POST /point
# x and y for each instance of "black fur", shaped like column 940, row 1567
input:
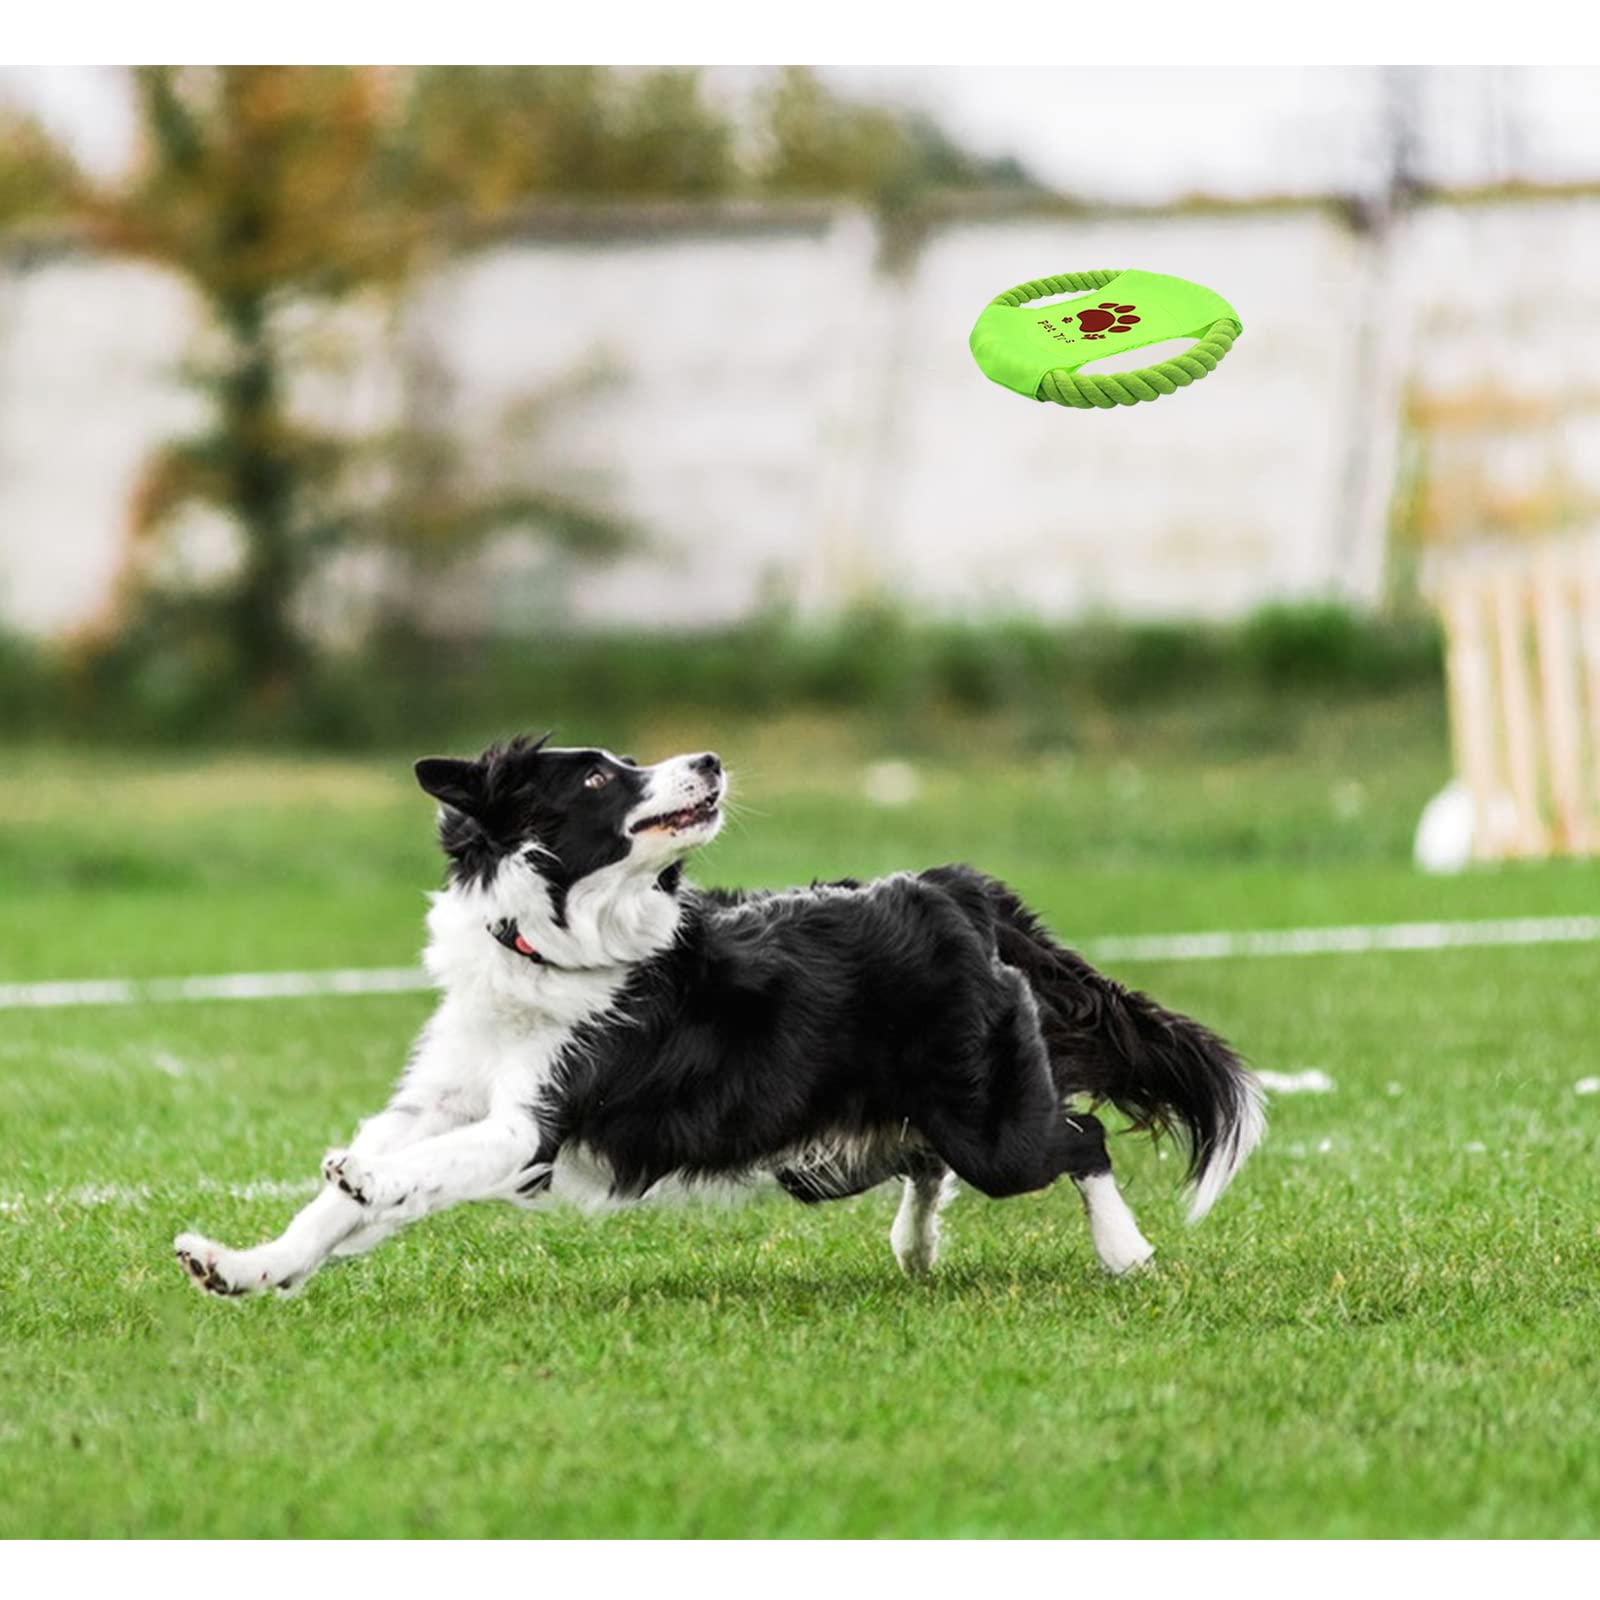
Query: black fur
column 898, row 1026
column 1166, row 1072
column 520, row 797
column 838, row 1035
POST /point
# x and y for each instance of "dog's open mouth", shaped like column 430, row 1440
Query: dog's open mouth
column 676, row 821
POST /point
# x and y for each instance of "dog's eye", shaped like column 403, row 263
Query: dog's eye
column 597, row 779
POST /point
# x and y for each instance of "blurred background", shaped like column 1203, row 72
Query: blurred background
column 353, row 415
column 375, row 409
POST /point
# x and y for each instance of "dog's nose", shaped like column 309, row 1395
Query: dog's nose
column 708, row 764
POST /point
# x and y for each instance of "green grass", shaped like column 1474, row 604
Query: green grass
column 1388, row 1327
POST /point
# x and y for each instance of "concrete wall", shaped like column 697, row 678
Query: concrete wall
column 787, row 421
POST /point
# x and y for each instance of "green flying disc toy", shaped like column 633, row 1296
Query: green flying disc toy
column 1037, row 350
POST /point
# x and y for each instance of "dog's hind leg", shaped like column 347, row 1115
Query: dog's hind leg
column 1116, row 1236
column 914, row 1238
column 1019, row 1137
column 1117, row 1240
column 995, row 1115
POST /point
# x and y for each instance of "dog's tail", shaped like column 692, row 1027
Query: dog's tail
column 1164, row 1071
column 1170, row 1074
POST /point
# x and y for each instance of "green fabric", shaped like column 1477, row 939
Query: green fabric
column 1036, row 350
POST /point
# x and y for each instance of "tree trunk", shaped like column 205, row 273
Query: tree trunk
column 271, row 655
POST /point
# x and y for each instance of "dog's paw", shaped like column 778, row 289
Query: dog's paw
column 915, row 1244
column 363, row 1181
column 1125, row 1256
column 333, row 1165
column 218, row 1270
column 916, row 1259
column 348, row 1174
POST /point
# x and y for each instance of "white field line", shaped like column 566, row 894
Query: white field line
column 227, row 986
column 1357, row 940
column 1311, row 1081
column 1354, row 940
column 92, row 1196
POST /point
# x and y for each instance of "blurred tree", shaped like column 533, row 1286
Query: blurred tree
column 39, row 180
column 812, row 141
column 271, row 189
column 436, row 497
column 267, row 188
column 490, row 139
column 255, row 184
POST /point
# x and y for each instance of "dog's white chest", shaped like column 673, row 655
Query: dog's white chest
column 504, row 1024
column 477, row 1056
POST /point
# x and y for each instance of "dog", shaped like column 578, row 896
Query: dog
column 606, row 1029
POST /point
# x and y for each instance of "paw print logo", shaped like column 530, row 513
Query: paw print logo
column 1107, row 317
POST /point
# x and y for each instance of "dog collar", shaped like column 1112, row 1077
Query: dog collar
column 505, row 932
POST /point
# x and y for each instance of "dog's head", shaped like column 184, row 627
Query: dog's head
column 568, row 815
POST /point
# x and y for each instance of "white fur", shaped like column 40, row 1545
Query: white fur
column 914, row 1238
column 1117, row 1240
column 1230, row 1154
column 459, row 1126
column 836, row 1157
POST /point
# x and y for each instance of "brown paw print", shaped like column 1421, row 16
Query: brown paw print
column 1107, row 317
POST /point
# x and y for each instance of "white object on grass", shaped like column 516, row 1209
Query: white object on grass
column 1311, row 1081
column 1447, row 829
column 891, row 783
column 1444, row 831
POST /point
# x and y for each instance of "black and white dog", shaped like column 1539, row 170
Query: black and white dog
column 606, row 1028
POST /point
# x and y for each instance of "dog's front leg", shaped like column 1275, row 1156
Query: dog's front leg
column 329, row 1225
column 494, row 1159
column 281, row 1263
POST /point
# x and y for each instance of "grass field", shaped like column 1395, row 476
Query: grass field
column 1389, row 1327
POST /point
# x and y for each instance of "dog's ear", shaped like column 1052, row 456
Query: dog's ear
column 458, row 784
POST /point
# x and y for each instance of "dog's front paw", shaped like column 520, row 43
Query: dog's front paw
column 333, row 1165
column 218, row 1270
column 363, row 1181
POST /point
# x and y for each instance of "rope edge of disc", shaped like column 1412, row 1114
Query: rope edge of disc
column 1083, row 391
column 1094, row 391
